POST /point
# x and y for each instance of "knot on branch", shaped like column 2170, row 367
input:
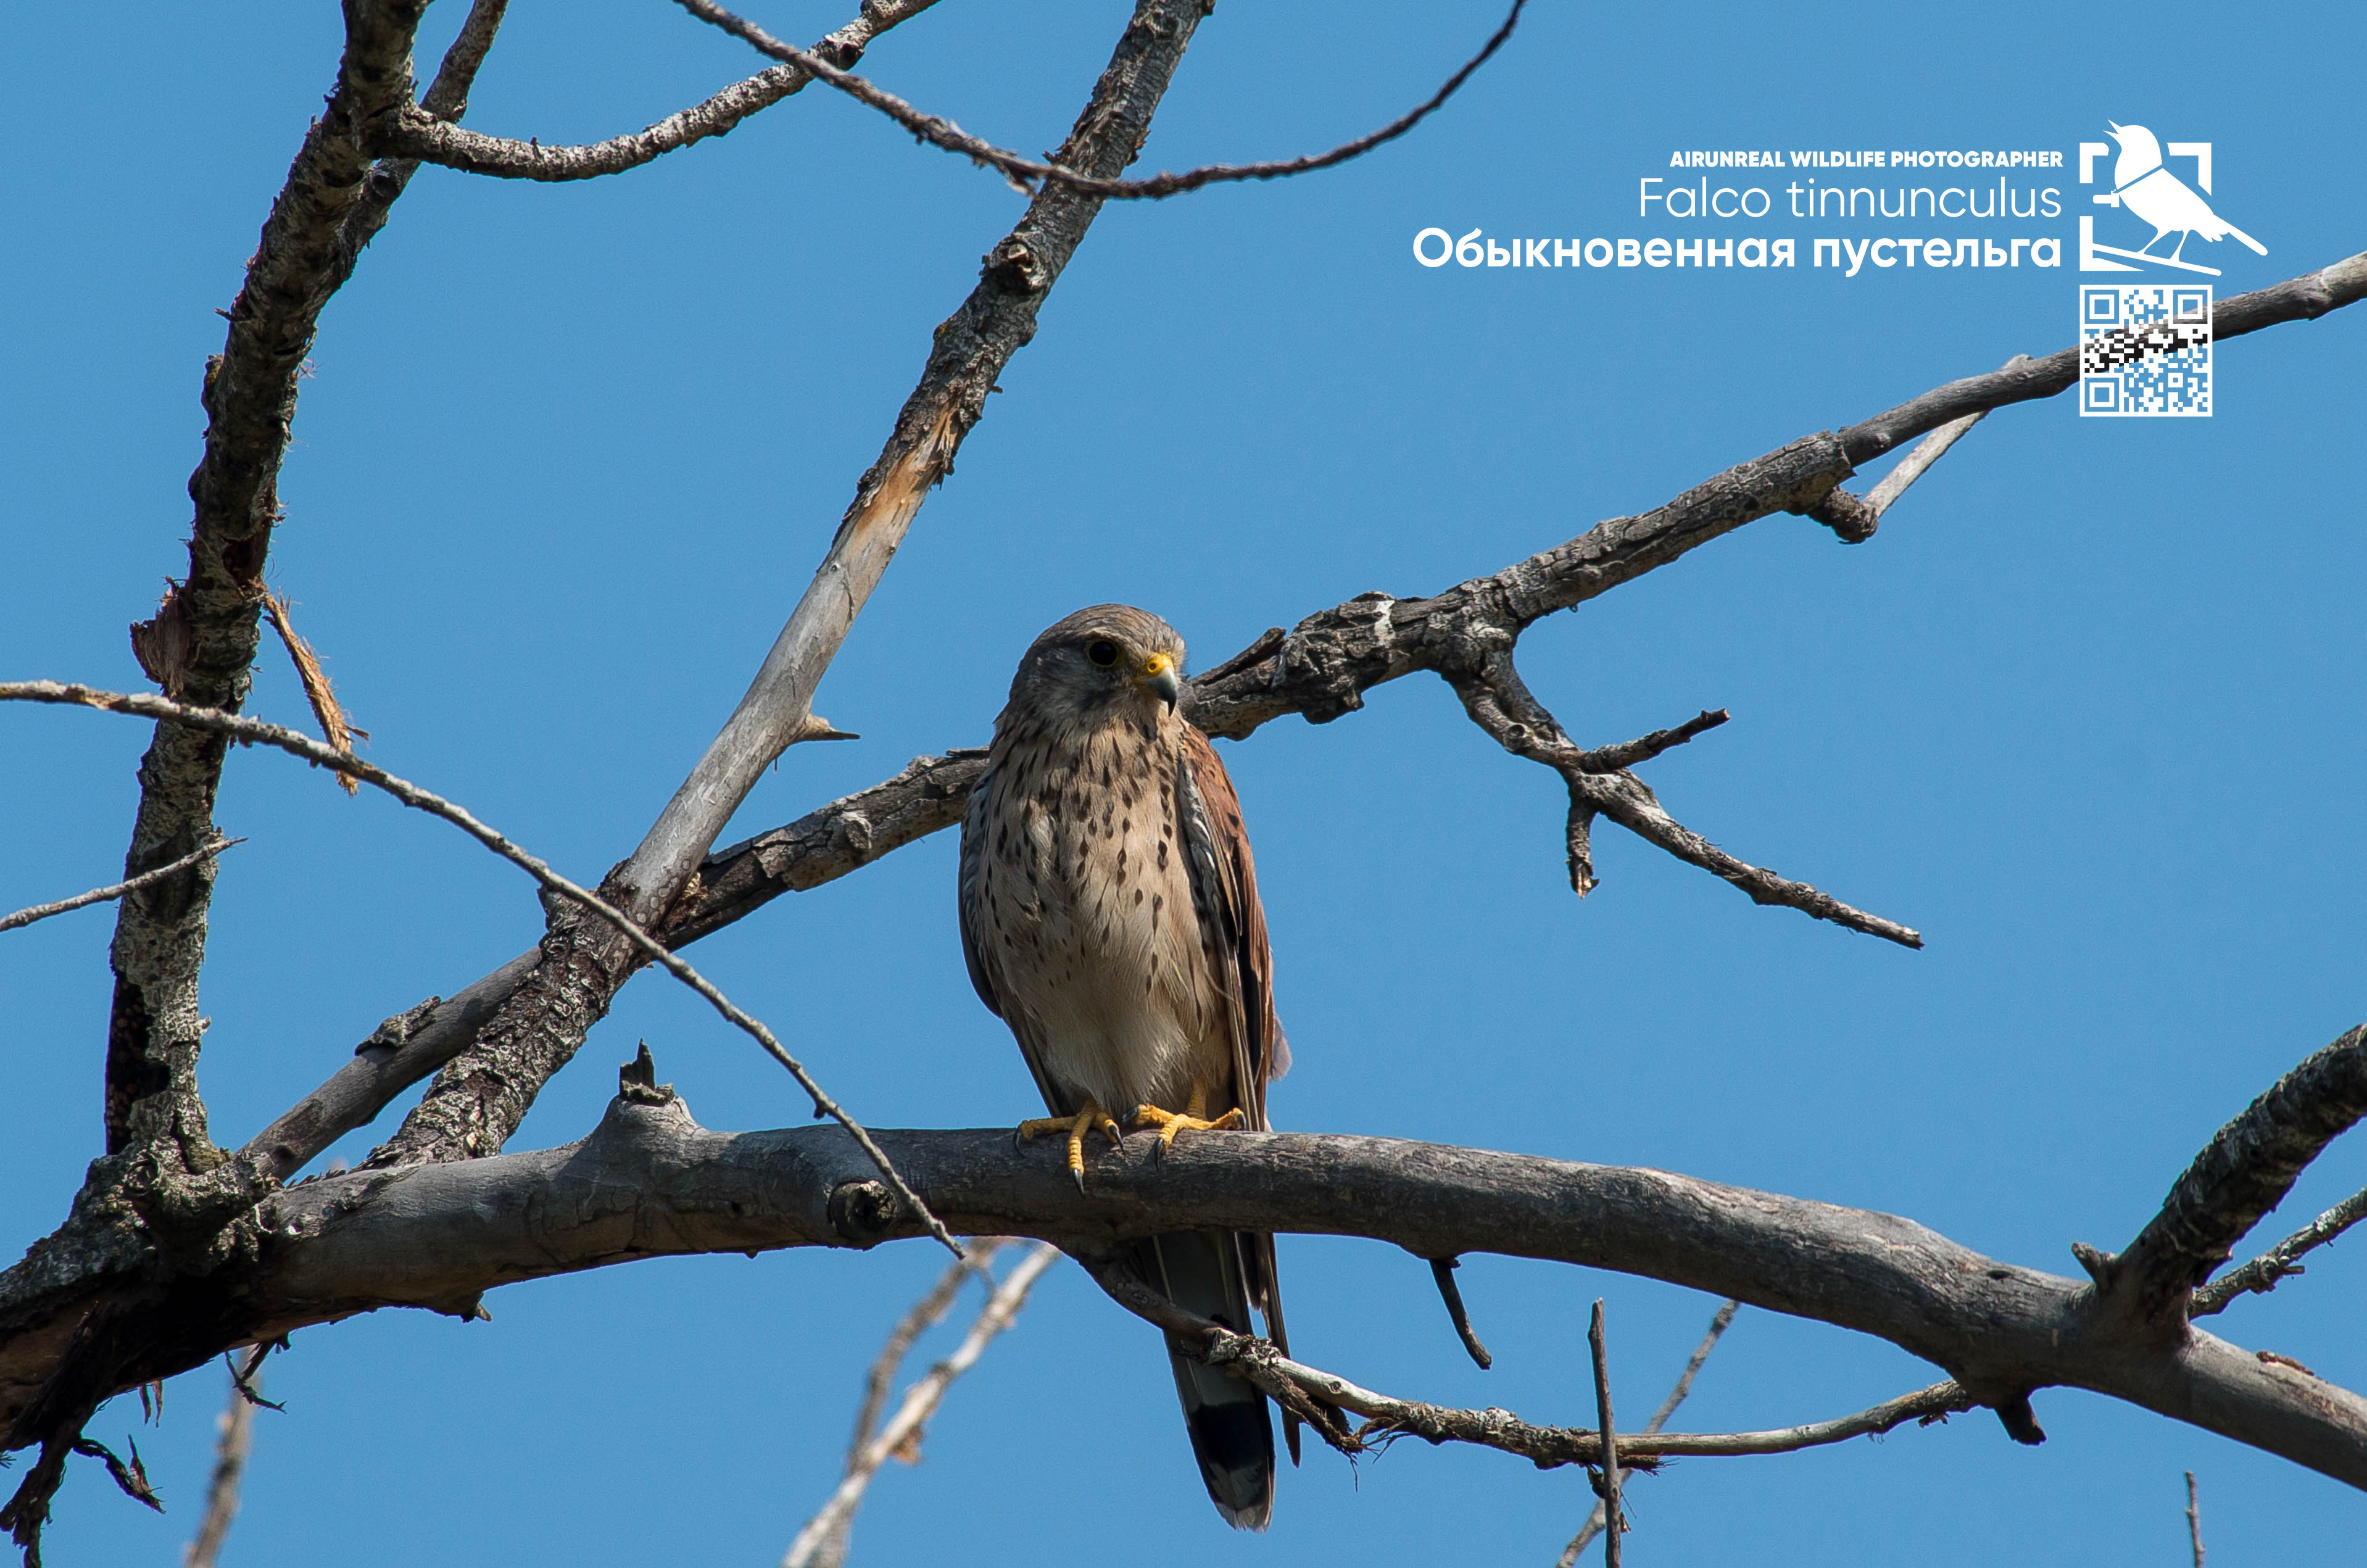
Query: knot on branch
column 863, row 1213
column 1851, row 519
column 1014, row 269
column 397, row 1031
column 200, row 1221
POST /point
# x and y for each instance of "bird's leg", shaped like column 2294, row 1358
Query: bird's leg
column 2183, row 235
column 1194, row 1118
column 1076, row 1127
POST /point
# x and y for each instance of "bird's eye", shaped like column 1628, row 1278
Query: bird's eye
column 1101, row 652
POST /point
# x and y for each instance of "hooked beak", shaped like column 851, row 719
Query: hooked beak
column 1158, row 676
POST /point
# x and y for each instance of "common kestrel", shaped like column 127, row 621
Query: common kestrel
column 1109, row 912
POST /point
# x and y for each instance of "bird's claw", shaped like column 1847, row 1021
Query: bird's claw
column 1170, row 1122
column 1090, row 1117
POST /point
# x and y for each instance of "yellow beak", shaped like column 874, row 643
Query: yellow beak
column 1158, row 675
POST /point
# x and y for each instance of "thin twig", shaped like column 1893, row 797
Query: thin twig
column 2263, row 1272
column 236, row 1440
column 1717, row 1326
column 1019, row 171
column 924, row 1315
column 2193, row 1520
column 1627, row 754
column 921, row 1400
column 1615, row 1523
column 1326, row 1393
column 423, row 134
column 297, row 744
column 101, row 895
column 245, row 1378
column 1442, row 1269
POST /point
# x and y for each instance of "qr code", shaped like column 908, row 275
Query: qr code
column 2145, row 350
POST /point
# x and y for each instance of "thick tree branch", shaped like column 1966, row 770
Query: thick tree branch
column 2244, row 1171
column 1026, row 173
column 479, row 1098
column 649, row 1181
column 420, row 136
column 202, row 644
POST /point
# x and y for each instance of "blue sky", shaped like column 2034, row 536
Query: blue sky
column 2085, row 712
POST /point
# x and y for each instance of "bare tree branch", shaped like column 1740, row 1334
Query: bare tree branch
column 1500, row 702
column 236, row 1441
column 1310, row 1389
column 249, row 396
column 256, row 731
column 2245, row 1171
column 479, row 1098
column 921, row 1402
column 100, row 895
column 420, row 136
column 1717, row 1328
column 2263, row 1272
column 1021, row 171
column 1854, row 519
column 1441, row 1273
column 924, row 1315
column 649, row 1181
column 1615, row 1523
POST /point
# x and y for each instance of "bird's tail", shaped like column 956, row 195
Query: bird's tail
column 2257, row 248
column 1205, row 1272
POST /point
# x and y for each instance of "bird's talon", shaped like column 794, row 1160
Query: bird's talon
column 1075, row 1126
column 1170, row 1122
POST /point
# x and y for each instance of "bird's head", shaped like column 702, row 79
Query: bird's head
column 1102, row 663
column 2137, row 145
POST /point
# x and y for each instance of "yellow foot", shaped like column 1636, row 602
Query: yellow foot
column 1076, row 1127
column 1172, row 1122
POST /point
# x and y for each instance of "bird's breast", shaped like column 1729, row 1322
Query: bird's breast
column 1089, row 902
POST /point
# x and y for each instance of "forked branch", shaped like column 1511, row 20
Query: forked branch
column 255, row 732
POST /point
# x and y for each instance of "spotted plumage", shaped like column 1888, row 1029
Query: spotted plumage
column 1110, row 914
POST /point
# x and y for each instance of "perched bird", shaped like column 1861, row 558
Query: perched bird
column 2146, row 187
column 1109, row 912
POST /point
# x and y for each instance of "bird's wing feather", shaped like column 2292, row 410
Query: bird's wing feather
column 972, row 891
column 1219, row 845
